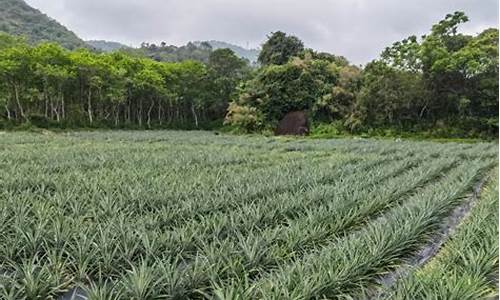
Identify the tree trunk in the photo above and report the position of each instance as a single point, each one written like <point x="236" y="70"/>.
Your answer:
<point x="128" y="112"/>
<point x="8" y="112"/>
<point x="149" y="113"/>
<point x="89" y="105"/>
<point x="56" y="111"/>
<point x="140" y="113"/>
<point x="55" y="107"/>
<point x="63" y="111"/>
<point x="21" y="110"/>
<point x="117" y="114"/>
<point x="46" y="104"/>
<point x="51" y="108"/>
<point x="159" y="112"/>
<point x="194" y="115"/>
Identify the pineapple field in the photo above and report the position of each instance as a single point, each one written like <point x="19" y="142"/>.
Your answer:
<point x="194" y="215"/>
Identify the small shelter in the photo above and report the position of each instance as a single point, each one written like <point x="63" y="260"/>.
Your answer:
<point x="294" y="123"/>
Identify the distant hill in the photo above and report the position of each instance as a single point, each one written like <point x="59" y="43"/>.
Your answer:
<point x="18" y="18"/>
<point x="172" y="53"/>
<point x="250" y="54"/>
<point x="106" y="46"/>
<point x="199" y="50"/>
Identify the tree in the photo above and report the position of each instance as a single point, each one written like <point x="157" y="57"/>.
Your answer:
<point x="224" y="63"/>
<point x="16" y="69"/>
<point x="8" y="41"/>
<point x="192" y="91"/>
<point x="89" y="70"/>
<point x="389" y="97"/>
<point x="279" y="89"/>
<point x="339" y="103"/>
<point x="225" y="72"/>
<point x="98" y="89"/>
<point x="53" y="69"/>
<point x="279" y="48"/>
<point x="148" y="87"/>
<point x="459" y="72"/>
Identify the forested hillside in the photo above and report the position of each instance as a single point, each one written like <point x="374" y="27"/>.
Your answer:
<point x="250" y="54"/>
<point x="18" y="18"/>
<point x="106" y="46"/>
<point x="199" y="51"/>
<point x="172" y="53"/>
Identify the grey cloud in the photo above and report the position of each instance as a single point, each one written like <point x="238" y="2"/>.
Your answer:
<point x="357" y="29"/>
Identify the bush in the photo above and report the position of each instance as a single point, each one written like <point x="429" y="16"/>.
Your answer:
<point x="40" y="121"/>
<point x="243" y="117"/>
<point x="328" y="130"/>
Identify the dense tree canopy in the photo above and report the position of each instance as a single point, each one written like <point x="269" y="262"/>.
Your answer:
<point x="300" y="84"/>
<point x="279" y="48"/>
<point x="46" y="84"/>
<point x="457" y="75"/>
<point x="171" y="53"/>
<point x="445" y="82"/>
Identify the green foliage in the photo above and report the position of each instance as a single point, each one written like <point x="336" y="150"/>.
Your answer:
<point x="7" y="40"/>
<point x="248" y="54"/>
<point x="243" y="117"/>
<point x="459" y="74"/>
<point x="442" y="84"/>
<point x="388" y="96"/>
<point x="224" y="62"/>
<point x="106" y="46"/>
<point x="337" y="104"/>
<point x="338" y="60"/>
<point x="279" y="48"/>
<point x="171" y="53"/>
<point x="329" y="130"/>
<point x="83" y="88"/>
<point x="301" y="84"/>
<point x="225" y="72"/>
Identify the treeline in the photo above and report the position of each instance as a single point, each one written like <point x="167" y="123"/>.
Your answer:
<point x="444" y="84"/>
<point x="50" y="86"/>
<point x="170" y="53"/>
<point x="199" y="50"/>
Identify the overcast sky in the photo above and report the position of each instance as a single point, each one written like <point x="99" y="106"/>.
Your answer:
<point x="357" y="29"/>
